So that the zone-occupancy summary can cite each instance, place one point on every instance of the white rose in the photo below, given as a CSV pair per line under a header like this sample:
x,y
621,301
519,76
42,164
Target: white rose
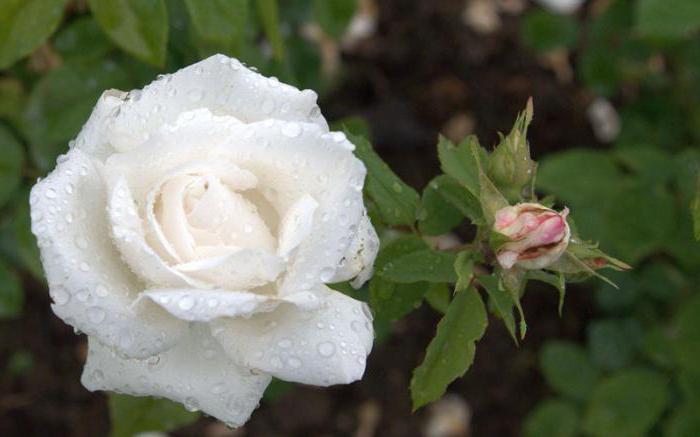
x,y
190,232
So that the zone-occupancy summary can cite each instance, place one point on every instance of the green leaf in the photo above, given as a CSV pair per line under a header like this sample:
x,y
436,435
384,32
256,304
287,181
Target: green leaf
x,y
567,369
451,192
25,25
685,341
269,17
667,18
501,302
514,282
140,27
436,215
425,265
695,211
626,404
462,162
391,301
11,162
17,243
613,343
543,31
276,389
11,293
684,421
396,201
552,418
451,352
61,102
438,296
132,415
82,40
12,99
220,25
334,16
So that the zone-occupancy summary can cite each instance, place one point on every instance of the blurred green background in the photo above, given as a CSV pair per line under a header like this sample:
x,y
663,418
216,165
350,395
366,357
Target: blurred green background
x,y
616,85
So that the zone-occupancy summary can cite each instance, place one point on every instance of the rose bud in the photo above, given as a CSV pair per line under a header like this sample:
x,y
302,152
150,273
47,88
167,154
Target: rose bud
x,y
536,236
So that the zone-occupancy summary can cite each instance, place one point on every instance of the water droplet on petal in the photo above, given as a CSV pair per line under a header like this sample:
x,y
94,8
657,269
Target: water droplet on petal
x,y
96,314
327,274
59,295
191,404
50,193
294,362
326,349
186,303
81,242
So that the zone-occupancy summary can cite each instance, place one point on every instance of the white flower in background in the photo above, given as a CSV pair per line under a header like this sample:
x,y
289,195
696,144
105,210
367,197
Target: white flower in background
x,y
190,232
561,6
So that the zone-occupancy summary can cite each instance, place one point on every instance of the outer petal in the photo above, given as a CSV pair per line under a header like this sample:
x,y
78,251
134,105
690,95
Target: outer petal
x,y
91,287
359,257
296,225
218,83
92,138
196,373
207,305
323,347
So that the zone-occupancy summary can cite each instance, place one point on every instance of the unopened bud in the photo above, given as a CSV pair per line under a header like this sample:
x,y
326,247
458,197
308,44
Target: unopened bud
x,y
536,235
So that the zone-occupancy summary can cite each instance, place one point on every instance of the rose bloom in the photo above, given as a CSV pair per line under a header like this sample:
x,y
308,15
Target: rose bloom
x,y
190,232
538,235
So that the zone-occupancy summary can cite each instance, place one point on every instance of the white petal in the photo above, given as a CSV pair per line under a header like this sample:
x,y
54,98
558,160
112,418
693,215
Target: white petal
x,y
323,347
359,257
92,138
196,373
220,84
241,269
128,235
290,160
91,287
296,225
207,305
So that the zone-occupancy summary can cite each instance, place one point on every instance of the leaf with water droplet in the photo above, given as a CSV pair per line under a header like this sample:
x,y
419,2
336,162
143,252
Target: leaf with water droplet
x,y
396,201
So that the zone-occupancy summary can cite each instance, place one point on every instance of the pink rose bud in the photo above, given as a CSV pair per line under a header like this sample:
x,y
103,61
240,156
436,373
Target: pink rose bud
x,y
538,235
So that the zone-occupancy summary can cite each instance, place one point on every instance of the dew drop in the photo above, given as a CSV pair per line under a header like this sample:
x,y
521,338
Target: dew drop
x,y
101,291
186,303
191,404
356,325
96,314
294,362
50,193
81,242
97,375
60,296
218,388
326,349
327,274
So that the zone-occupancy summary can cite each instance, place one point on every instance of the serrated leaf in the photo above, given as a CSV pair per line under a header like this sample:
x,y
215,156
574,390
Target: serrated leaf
x,y
445,190
567,369
462,162
397,202
11,293
613,343
82,40
626,404
513,281
391,301
438,297
552,418
501,302
132,415
424,265
451,352
436,215
140,27
25,25
220,25
17,243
